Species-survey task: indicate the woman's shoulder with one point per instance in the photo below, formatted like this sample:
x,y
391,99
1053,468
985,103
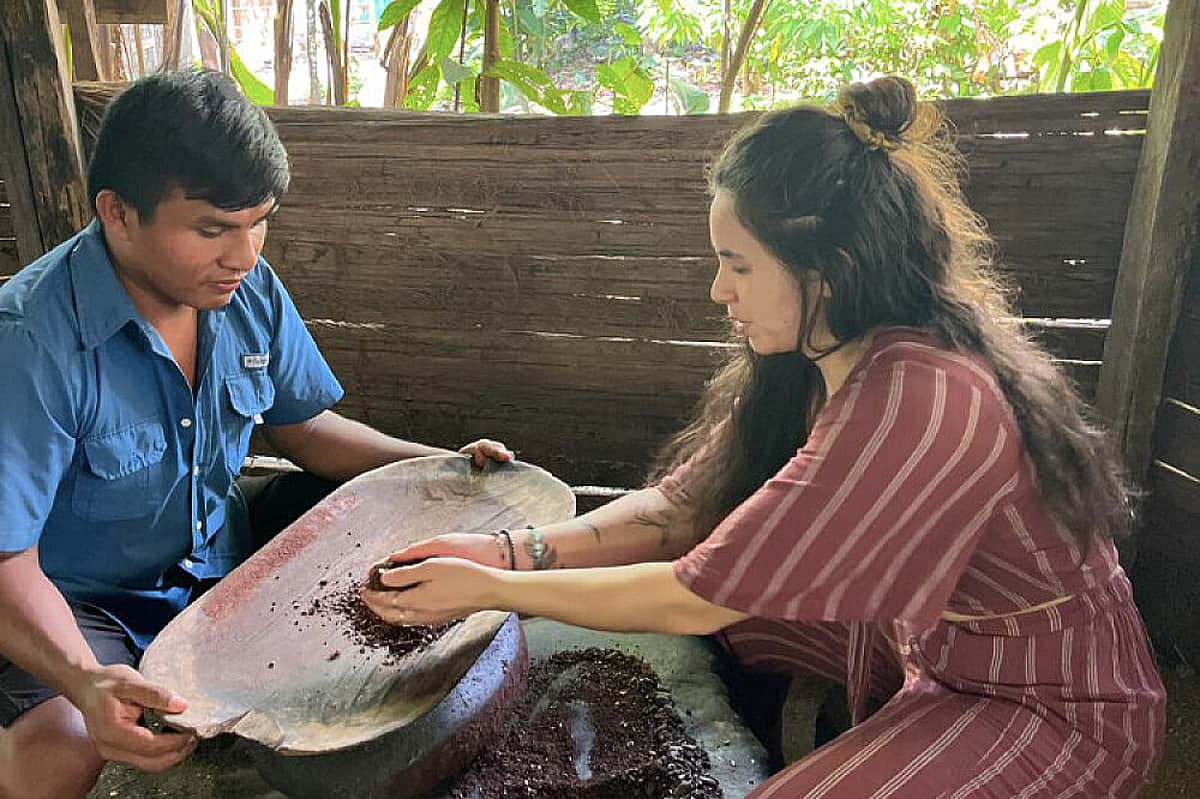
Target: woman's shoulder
x,y
916,366
924,350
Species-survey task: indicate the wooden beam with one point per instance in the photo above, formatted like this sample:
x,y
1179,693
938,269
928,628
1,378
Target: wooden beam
x,y
41,138
1161,241
85,43
16,167
112,12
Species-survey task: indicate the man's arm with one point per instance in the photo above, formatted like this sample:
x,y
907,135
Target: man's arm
x,y
331,446
41,637
336,448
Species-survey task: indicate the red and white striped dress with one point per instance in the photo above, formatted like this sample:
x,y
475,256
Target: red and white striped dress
x,y
911,499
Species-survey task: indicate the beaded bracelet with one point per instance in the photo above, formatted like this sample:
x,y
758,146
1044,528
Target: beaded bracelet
x,y
537,549
512,551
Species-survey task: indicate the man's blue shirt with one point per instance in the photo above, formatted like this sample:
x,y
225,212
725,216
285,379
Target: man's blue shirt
x,y
108,461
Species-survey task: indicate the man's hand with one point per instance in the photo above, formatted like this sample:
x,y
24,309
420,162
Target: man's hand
x,y
485,449
112,700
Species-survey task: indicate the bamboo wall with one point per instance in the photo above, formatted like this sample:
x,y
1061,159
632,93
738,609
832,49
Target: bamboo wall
x,y
545,280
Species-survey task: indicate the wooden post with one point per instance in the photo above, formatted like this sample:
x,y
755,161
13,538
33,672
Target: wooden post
x,y
85,44
1162,238
41,138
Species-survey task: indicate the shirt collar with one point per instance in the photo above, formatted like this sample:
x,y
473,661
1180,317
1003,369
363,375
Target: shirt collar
x,y
102,304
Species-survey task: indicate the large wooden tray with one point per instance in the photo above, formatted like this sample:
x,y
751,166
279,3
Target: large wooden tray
x,y
250,659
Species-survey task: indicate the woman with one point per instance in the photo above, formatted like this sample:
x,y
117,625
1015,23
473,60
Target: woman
x,y
888,485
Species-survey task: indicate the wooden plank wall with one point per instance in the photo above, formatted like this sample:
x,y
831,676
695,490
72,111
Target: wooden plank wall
x,y
544,280
9,262
1167,571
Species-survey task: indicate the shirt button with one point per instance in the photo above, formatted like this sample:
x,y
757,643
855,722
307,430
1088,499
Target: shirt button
x,y
196,471
188,562
199,525
185,422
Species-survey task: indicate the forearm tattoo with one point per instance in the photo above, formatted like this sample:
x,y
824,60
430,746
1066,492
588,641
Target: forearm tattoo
x,y
656,520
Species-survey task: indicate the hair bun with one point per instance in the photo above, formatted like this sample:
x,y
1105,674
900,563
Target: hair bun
x,y
879,112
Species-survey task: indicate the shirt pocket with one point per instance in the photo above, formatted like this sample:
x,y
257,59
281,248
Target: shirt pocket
x,y
250,396
122,473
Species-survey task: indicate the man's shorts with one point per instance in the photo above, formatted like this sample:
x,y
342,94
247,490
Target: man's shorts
x,y
274,502
21,691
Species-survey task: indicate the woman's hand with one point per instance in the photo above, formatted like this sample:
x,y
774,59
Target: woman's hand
x,y
485,449
486,550
433,591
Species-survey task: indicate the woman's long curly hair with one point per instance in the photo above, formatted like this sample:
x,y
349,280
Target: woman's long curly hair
x,y
866,195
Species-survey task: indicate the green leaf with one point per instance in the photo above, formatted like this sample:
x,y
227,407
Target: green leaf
x,y
1109,14
532,82
580,103
530,25
1112,45
690,99
396,12
1048,54
1102,80
628,34
453,72
586,9
444,28
258,92
422,90
630,85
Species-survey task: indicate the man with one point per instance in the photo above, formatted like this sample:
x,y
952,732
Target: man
x,y
137,357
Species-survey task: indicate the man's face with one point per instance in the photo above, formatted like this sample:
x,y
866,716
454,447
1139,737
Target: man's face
x,y
191,253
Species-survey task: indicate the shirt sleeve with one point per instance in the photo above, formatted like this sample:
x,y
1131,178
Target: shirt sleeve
x,y
876,516
304,383
37,436
676,485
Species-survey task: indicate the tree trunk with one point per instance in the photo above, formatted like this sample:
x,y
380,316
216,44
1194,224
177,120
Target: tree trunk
x,y
337,83
172,36
734,65
489,88
283,50
314,74
395,60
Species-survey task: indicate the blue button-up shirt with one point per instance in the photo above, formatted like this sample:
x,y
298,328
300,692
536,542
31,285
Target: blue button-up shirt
x,y
109,462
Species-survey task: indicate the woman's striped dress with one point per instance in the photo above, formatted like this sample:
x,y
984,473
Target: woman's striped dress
x,y
905,551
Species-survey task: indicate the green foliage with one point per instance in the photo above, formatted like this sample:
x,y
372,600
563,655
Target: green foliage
x,y
560,55
631,87
396,12
445,27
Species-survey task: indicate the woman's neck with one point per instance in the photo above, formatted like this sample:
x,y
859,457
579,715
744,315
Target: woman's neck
x,y
837,365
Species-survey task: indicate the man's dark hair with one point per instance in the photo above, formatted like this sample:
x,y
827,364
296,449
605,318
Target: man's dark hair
x,y
191,130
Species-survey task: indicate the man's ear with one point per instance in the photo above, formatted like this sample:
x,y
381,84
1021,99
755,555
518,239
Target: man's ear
x,y
117,216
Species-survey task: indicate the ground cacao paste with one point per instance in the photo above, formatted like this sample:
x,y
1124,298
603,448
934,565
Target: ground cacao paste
x,y
594,724
346,607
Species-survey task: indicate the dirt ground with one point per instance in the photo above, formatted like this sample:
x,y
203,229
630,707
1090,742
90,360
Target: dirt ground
x,y
220,770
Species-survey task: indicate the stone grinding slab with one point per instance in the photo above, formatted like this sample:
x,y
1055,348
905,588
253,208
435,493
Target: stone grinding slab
x,y
251,658
686,666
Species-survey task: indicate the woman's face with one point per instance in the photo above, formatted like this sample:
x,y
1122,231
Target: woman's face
x,y
762,298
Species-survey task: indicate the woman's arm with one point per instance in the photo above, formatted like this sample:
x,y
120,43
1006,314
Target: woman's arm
x,y
639,527
645,597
